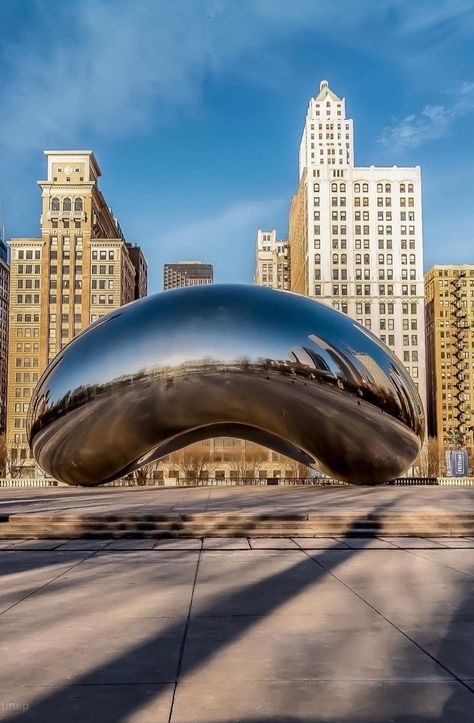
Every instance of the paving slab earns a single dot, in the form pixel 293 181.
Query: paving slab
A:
pixel 225 543
pixel 132 557
pixel 183 544
pixel 318 702
pixel 305 647
pixel 453 541
pixel 412 543
pixel 319 543
pixel 96 652
pixel 85 544
pixel 272 543
pixel 147 544
pixel 366 543
pixel 39 544
pixel 142 703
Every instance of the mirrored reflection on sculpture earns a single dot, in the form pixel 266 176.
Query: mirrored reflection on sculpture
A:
pixel 225 360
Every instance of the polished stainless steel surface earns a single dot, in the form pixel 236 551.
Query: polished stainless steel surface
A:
pixel 225 360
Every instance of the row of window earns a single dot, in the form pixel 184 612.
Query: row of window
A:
pixel 364 187
pixel 386 259
pixel 67 204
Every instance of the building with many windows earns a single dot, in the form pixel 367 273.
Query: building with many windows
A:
pixel 4 292
pixel 355 234
pixel 272 262
pixel 78 270
pixel 187 273
pixel 449 293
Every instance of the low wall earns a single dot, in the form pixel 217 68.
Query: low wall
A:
pixel 250 482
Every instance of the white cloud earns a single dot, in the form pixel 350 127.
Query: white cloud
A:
pixel 432 123
pixel 111 67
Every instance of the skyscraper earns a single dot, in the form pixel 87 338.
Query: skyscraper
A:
pixel 187 273
pixel 355 234
pixel 78 271
pixel 450 356
pixel 4 293
pixel 272 262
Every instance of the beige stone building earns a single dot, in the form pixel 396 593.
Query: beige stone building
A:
pixel 356 236
pixel 78 270
pixel 449 314
pixel 272 266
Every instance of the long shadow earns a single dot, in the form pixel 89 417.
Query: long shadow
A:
pixel 272 592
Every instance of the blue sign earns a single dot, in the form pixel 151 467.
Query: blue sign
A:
pixel 457 463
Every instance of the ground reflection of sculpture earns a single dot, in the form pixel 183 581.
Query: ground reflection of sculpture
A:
pixel 225 360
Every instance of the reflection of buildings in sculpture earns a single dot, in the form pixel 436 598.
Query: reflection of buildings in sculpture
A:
pixel 187 273
pixel 4 290
pixel 78 271
pixel 449 293
pixel 355 235
pixel 228 458
pixel 272 263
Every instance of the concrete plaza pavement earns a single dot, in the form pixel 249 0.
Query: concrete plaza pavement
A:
pixel 259 499
pixel 340 631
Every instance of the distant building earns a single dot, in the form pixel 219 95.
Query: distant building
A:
pixel 355 234
pixel 79 270
pixel 141 270
pixel 187 273
pixel 449 314
pixel 272 263
pixel 4 296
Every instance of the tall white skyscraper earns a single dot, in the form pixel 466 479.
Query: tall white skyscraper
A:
pixel 355 234
pixel 272 263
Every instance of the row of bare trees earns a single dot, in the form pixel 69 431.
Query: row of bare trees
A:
pixel 197 461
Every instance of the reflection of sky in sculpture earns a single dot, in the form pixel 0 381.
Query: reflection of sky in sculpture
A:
pixel 226 339
pixel 191 338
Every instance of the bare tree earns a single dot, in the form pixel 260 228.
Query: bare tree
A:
pixel 434 459
pixel 192 461
pixel 146 474
pixel 246 460
pixel 10 464
pixel 3 455
pixel 297 469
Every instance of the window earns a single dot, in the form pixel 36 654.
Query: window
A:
pixel 78 204
pixel 67 204
pixel 55 204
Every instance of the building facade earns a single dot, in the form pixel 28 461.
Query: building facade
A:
pixel 356 237
pixel 272 263
pixel 449 316
pixel 77 271
pixel 187 273
pixel 141 270
pixel 4 298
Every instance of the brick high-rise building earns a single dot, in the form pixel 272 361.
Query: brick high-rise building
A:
pixel 77 271
pixel 187 273
pixel 4 294
pixel 449 293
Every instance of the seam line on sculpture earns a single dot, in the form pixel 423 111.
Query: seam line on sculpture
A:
pixel 402 632
pixel 185 635
pixel 53 579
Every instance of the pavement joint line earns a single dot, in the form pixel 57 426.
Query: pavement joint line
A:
pixel 53 579
pixel 390 622
pixel 183 640
pixel 416 552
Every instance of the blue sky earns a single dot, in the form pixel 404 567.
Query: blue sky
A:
pixel 194 109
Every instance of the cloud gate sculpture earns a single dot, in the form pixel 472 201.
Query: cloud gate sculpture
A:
pixel 225 360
